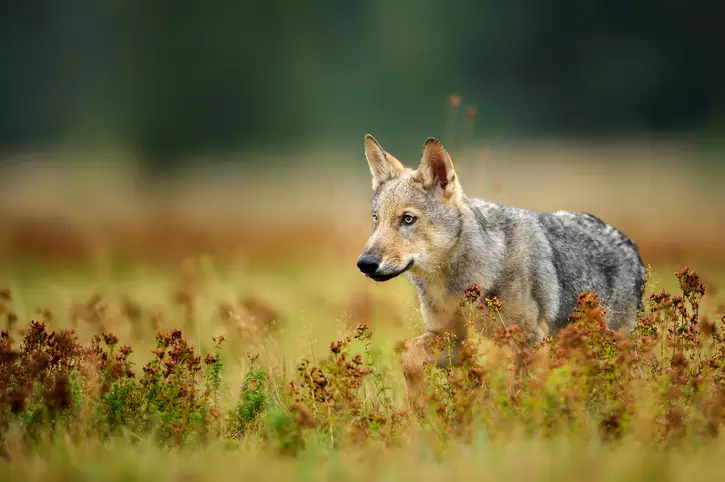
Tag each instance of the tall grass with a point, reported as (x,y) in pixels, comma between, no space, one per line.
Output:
(588,400)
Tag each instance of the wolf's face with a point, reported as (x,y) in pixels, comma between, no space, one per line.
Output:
(416,213)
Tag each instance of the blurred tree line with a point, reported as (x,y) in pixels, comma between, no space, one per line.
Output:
(168,77)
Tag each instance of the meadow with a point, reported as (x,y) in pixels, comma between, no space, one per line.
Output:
(216,326)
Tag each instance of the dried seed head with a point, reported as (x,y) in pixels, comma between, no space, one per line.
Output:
(110,339)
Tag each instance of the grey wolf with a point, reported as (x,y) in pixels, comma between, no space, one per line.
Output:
(537,264)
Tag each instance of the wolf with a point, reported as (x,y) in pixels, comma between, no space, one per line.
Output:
(537,264)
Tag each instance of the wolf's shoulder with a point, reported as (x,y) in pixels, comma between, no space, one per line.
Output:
(499,212)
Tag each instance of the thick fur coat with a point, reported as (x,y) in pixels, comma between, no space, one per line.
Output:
(535,263)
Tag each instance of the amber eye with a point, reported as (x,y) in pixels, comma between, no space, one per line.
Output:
(375,217)
(408,219)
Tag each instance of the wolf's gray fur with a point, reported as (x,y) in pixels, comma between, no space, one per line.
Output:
(559,255)
(536,263)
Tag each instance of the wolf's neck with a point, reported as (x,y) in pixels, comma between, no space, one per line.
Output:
(478,256)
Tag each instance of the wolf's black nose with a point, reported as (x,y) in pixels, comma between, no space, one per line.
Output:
(368,264)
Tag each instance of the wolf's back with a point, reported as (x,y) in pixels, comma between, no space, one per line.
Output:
(590,255)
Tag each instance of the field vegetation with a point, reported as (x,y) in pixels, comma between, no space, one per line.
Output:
(148,345)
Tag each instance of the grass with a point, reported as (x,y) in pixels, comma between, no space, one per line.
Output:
(164,376)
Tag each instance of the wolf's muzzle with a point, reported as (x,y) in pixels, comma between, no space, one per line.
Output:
(371,264)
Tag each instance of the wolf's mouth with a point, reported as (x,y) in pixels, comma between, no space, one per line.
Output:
(387,276)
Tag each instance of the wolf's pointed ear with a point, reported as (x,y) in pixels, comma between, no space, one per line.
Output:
(436,169)
(383,166)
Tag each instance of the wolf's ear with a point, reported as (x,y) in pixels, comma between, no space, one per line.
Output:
(436,169)
(383,166)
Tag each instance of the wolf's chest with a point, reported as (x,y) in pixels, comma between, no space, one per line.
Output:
(438,306)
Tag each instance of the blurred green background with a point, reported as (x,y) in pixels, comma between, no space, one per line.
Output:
(163,79)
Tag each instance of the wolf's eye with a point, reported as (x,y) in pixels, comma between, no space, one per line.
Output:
(408,219)
(375,217)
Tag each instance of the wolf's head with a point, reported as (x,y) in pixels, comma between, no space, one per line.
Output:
(416,213)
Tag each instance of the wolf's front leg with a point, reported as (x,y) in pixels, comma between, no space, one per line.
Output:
(521,308)
(417,353)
